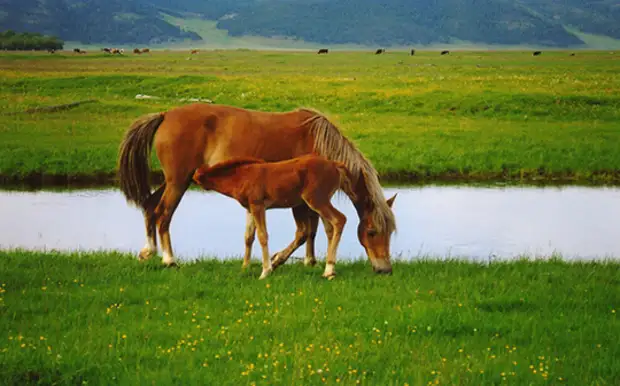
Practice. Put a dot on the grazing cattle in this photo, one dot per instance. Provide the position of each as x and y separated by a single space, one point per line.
536 53
106 50
572 54
77 50
323 51
412 52
51 51
145 50
380 51
446 52
185 137
137 51
258 185
193 52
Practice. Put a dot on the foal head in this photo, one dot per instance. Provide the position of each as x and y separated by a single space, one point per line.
206 176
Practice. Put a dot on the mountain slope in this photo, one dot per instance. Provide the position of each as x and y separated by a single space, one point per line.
90 21
388 22
399 22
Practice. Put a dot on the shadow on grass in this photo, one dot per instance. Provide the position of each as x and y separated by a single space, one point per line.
506 306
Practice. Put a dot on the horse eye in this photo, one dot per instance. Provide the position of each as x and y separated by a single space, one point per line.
372 232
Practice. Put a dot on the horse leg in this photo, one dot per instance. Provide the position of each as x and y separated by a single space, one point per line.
337 220
300 214
311 229
151 225
165 209
258 212
250 230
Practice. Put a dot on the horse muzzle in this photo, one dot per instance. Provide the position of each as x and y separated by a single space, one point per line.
382 267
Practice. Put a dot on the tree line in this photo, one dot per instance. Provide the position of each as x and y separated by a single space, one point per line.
13 41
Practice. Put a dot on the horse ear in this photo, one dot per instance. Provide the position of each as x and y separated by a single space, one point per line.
390 201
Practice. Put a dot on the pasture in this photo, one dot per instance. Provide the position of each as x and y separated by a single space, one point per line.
105 318
466 116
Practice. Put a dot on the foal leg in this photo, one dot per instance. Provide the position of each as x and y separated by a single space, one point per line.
171 197
311 229
258 212
337 221
250 230
300 213
150 220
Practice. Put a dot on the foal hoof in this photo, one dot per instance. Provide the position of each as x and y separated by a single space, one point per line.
171 265
330 276
310 262
265 274
145 254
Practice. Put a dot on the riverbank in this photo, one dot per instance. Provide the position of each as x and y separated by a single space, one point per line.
106 318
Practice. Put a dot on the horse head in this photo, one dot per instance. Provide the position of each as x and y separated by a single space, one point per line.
375 238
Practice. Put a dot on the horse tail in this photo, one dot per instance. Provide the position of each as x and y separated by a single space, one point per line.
346 181
133 158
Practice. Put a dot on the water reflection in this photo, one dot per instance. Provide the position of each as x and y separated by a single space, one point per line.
433 221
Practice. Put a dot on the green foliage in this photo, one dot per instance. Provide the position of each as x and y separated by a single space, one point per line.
109 21
12 41
105 318
386 23
398 22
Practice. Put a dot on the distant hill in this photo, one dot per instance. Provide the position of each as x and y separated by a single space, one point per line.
368 22
91 21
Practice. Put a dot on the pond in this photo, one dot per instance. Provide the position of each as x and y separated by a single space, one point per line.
476 223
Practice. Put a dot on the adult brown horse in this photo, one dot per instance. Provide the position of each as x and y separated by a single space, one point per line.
188 136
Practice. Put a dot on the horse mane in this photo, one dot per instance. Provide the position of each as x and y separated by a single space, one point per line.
330 143
228 165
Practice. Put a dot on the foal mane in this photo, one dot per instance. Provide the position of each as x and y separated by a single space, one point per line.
229 165
330 143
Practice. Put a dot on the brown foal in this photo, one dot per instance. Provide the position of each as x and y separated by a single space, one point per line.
258 185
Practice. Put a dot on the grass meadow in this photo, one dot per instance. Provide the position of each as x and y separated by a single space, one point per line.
105 318
467 116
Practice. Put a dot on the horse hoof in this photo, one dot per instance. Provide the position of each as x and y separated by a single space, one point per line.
264 274
310 262
171 265
145 254
330 276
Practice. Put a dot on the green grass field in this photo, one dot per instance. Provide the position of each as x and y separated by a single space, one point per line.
464 116
105 318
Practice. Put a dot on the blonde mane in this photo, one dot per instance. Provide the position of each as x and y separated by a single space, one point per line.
330 143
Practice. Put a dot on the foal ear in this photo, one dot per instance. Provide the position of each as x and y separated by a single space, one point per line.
199 174
390 201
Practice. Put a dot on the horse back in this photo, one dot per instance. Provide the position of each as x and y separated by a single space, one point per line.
215 133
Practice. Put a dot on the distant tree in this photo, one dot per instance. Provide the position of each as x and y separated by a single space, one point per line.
12 41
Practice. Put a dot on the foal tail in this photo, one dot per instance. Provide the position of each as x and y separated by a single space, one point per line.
133 158
346 181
